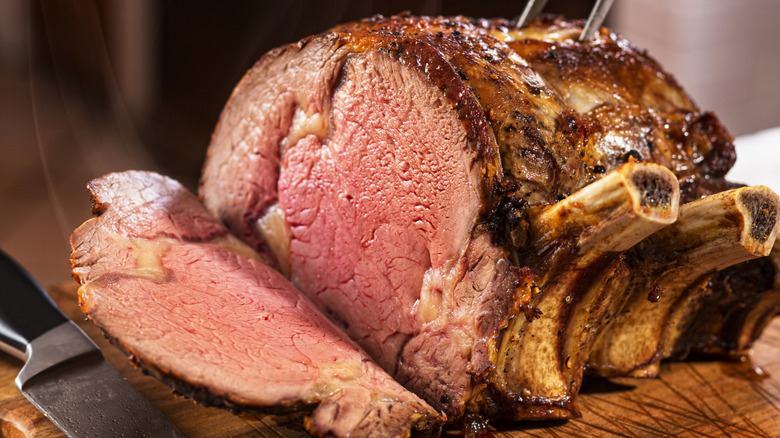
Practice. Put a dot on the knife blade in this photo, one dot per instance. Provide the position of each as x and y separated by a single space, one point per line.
65 376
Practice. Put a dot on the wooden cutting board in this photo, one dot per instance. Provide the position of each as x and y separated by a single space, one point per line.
690 399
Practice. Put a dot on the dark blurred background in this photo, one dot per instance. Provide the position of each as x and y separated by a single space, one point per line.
89 87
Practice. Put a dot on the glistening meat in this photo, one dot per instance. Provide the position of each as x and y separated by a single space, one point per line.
487 210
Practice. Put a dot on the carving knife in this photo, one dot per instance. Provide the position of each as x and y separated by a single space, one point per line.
65 375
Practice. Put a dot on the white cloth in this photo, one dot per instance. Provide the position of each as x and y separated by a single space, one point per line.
758 159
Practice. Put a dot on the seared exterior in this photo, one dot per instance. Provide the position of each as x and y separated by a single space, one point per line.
192 305
628 105
738 304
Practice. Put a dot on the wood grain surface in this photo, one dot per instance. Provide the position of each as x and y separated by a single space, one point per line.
699 398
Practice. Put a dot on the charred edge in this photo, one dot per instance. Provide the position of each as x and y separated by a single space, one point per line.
206 398
656 192
632 155
694 187
501 405
708 143
442 54
763 215
421 53
544 258
736 291
508 223
721 156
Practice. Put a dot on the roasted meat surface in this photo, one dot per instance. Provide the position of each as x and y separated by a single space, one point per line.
493 212
630 105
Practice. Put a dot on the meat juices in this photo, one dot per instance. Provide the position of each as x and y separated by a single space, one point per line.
191 304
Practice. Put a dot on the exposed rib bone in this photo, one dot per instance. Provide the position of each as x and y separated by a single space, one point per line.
672 269
613 213
578 243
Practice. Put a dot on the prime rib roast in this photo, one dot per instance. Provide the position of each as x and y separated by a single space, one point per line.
489 212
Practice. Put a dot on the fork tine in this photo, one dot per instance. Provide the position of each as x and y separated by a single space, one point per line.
531 10
596 18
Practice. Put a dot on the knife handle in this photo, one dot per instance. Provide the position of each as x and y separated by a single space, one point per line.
26 310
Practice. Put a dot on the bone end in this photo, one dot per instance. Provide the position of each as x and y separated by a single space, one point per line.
654 190
759 207
654 201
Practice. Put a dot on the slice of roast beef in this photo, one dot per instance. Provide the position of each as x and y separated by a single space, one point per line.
193 306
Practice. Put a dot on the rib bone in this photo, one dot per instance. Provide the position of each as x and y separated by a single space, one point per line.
613 213
672 269
579 244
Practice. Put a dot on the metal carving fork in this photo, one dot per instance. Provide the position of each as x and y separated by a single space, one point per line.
595 19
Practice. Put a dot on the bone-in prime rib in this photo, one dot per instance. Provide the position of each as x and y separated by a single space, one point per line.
489 211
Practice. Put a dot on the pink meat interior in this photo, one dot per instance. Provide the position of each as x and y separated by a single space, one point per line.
394 195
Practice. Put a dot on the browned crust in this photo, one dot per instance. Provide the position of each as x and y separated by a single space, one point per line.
608 62
677 134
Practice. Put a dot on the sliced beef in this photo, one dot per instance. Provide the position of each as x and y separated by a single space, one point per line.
195 307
